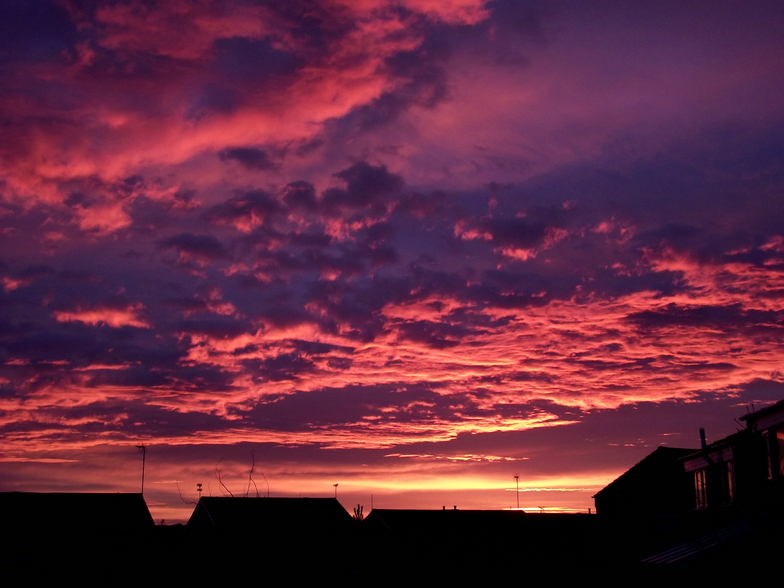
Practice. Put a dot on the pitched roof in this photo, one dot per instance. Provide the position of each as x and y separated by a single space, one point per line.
735 439
765 417
641 473
84 515
238 517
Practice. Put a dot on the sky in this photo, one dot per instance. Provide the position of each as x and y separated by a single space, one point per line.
409 247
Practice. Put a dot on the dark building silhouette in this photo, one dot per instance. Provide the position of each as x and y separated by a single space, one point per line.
723 474
487 545
309 536
741 474
656 486
677 514
74 534
702 508
266 521
65 516
767 430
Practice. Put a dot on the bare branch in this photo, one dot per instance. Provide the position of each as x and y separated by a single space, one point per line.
181 497
250 475
265 479
224 489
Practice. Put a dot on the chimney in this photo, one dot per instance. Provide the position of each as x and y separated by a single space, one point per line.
703 443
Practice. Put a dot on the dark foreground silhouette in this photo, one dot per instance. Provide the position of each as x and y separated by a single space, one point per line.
291 540
713 514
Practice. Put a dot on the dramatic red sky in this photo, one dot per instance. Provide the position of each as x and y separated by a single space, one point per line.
411 247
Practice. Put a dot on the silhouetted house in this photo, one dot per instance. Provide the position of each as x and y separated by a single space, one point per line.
75 516
767 427
722 473
737 501
654 487
451 543
441 527
73 527
280 531
727 499
742 473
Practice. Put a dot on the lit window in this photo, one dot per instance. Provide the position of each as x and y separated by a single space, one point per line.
700 491
768 453
780 443
727 483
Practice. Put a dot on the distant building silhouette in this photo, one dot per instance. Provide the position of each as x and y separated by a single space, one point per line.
487 545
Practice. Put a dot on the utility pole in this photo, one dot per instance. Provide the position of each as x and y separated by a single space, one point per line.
143 449
517 489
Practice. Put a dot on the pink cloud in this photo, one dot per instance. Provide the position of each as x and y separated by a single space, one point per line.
128 316
460 234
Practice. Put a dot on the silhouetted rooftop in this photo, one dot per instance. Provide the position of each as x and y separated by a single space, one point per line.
234 518
83 515
654 485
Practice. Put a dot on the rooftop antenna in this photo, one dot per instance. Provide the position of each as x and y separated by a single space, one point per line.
143 449
517 491
199 489
336 490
